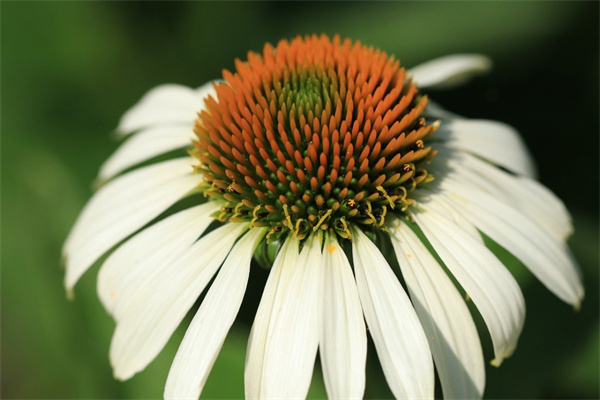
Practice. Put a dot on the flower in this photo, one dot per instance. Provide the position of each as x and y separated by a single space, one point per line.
318 145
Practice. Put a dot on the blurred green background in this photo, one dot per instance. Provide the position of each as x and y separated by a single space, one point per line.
70 69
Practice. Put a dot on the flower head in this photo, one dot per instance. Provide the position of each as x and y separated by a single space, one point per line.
298 140
311 147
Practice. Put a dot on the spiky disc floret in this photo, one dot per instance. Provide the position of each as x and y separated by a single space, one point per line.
314 134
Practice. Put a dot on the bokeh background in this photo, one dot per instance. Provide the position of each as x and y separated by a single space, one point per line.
70 69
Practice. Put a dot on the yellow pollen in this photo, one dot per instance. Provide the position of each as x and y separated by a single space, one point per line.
288 220
331 249
420 144
322 219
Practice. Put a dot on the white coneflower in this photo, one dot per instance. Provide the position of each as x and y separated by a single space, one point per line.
316 144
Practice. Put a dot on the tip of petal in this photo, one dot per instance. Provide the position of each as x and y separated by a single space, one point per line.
120 376
69 282
69 285
450 71
121 373
496 362
577 304
577 298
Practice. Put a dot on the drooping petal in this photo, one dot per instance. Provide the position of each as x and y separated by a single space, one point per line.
160 305
267 316
452 335
166 104
449 163
547 258
206 334
144 145
137 260
492 288
447 210
523 193
291 347
450 71
399 338
542 205
122 207
343 338
494 141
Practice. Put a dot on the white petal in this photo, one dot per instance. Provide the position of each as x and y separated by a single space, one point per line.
343 340
541 204
399 338
450 71
122 207
165 104
525 194
291 347
145 145
267 316
160 305
492 288
541 253
451 162
206 334
444 315
447 210
135 262
494 141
